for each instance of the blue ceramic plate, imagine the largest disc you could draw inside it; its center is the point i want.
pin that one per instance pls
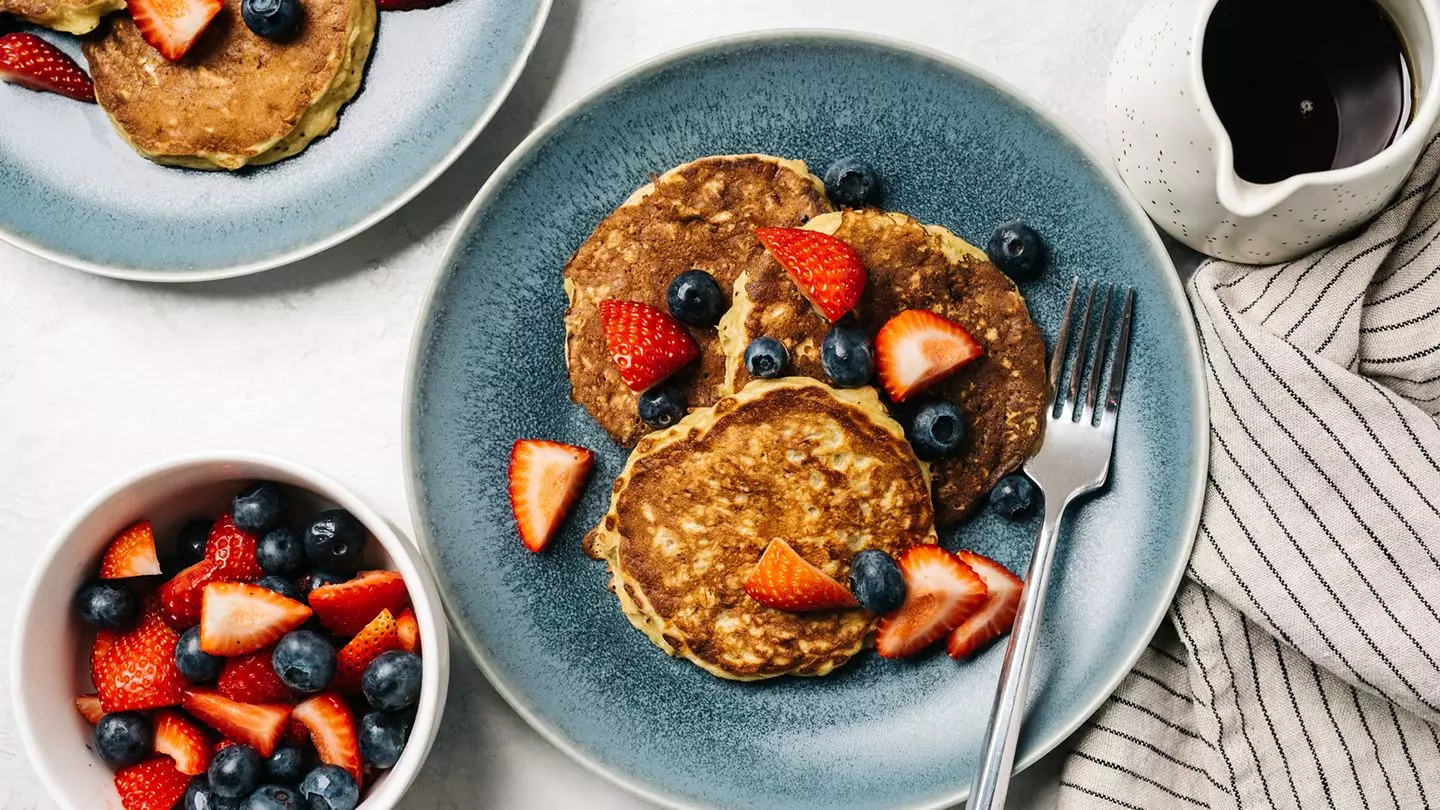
(955, 147)
(72, 191)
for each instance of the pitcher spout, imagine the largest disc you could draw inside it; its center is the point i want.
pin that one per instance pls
(1243, 199)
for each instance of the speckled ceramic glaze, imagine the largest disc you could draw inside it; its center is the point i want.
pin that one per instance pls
(489, 368)
(71, 190)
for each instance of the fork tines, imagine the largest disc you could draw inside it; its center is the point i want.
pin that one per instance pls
(1076, 400)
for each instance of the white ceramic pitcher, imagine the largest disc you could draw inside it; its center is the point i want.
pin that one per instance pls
(1176, 156)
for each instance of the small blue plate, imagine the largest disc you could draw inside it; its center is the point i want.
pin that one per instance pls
(954, 147)
(73, 191)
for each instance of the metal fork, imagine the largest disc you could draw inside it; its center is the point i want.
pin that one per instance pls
(1074, 459)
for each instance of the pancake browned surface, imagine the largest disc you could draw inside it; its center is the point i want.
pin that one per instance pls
(702, 215)
(914, 266)
(236, 99)
(70, 16)
(827, 471)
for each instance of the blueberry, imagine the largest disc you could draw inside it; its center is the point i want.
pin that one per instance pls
(108, 605)
(848, 356)
(281, 552)
(199, 796)
(123, 738)
(936, 430)
(851, 183)
(194, 663)
(234, 771)
(1017, 250)
(330, 788)
(876, 581)
(304, 660)
(766, 358)
(191, 542)
(318, 579)
(694, 297)
(382, 738)
(285, 766)
(392, 681)
(661, 406)
(273, 797)
(272, 19)
(335, 541)
(282, 586)
(1014, 497)
(258, 508)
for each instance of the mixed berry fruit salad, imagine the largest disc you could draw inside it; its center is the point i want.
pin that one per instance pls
(258, 667)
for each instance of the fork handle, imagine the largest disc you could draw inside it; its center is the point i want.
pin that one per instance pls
(997, 758)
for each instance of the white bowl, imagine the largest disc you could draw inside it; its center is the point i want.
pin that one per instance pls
(50, 664)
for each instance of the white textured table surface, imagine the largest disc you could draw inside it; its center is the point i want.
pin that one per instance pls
(98, 377)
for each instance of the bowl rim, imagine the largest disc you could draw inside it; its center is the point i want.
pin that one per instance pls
(500, 179)
(385, 209)
(429, 609)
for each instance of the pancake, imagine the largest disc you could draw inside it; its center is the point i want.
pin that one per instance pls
(237, 99)
(913, 266)
(72, 16)
(702, 215)
(827, 471)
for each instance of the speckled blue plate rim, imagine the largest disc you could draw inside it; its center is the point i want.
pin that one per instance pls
(537, 25)
(507, 170)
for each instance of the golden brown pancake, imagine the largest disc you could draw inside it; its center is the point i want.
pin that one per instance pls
(915, 266)
(70, 16)
(703, 215)
(236, 99)
(827, 471)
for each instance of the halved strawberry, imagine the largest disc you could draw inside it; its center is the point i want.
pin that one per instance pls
(89, 708)
(104, 640)
(827, 270)
(155, 784)
(237, 618)
(138, 671)
(786, 581)
(346, 607)
(545, 480)
(182, 741)
(332, 729)
(994, 618)
(408, 630)
(180, 598)
(251, 678)
(917, 348)
(940, 592)
(131, 554)
(172, 26)
(296, 734)
(258, 725)
(379, 636)
(232, 550)
(29, 61)
(648, 345)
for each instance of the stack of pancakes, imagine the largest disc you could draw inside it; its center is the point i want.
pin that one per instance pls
(828, 471)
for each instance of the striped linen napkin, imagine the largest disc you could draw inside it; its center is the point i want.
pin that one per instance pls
(1301, 664)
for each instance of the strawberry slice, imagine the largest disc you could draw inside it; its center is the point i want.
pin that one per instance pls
(232, 550)
(379, 636)
(251, 678)
(545, 480)
(917, 348)
(828, 271)
(648, 345)
(346, 607)
(172, 26)
(237, 618)
(180, 598)
(786, 581)
(89, 708)
(138, 671)
(182, 741)
(104, 640)
(296, 734)
(940, 592)
(995, 617)
(332, 729)
(29, 61)
(155, 784)
(408, 631)
(258, 725)
(131, 554)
